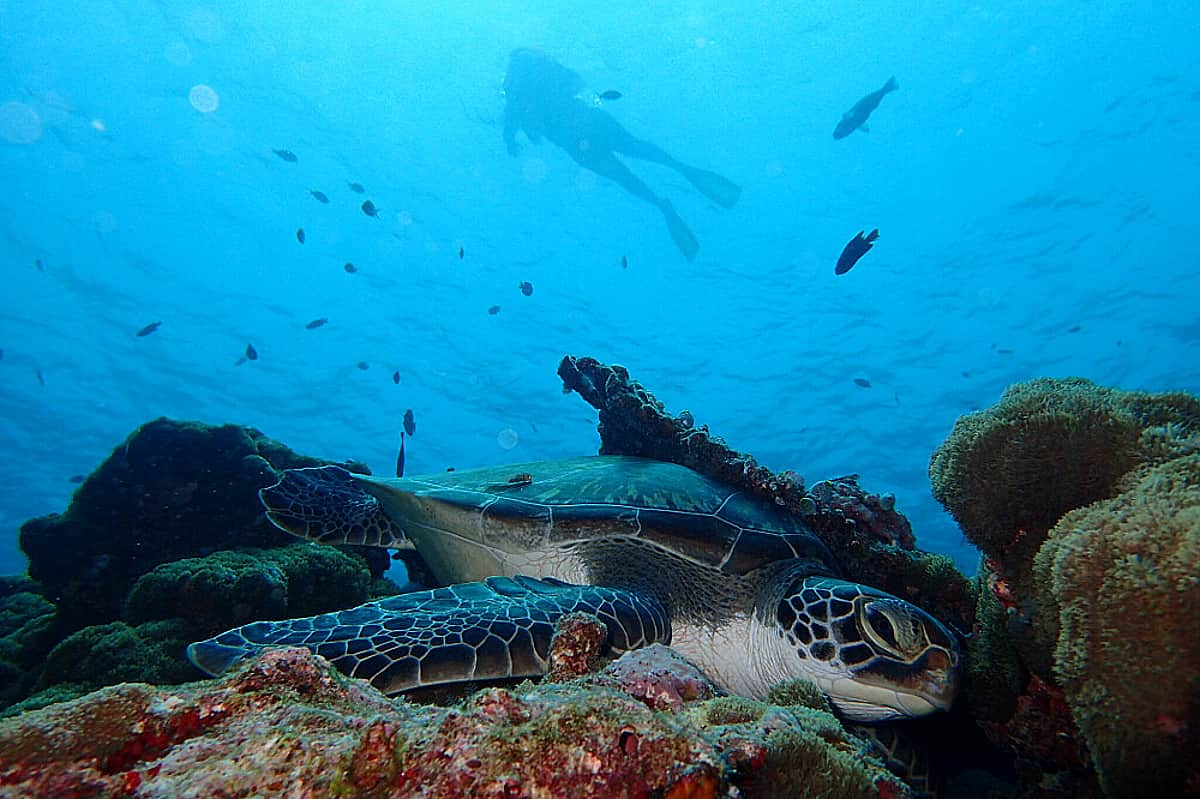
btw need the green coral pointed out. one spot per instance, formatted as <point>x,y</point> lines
<point>993,674</point>
<point>107,654</point>
<point>798,692</point>
<point>229,588</point>
<point>1121,579</point>
<point>1047,447</point>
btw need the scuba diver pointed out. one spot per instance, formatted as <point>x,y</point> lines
<point>542,98</point>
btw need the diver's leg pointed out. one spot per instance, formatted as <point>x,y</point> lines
<point>723,192</point>
<point>606,165</point>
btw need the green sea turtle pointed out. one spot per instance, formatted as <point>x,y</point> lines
<point>657,551</point>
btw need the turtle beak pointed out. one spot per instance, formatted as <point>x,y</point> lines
<point>937,686</point>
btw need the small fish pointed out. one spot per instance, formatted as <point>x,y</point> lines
<point>624,262</point>
<point>1074,328</point>
<point>37,263</point>
<point>369,208</point>
<point>862,382</point>
<point>300,235</point>
<point>611,94</point>
<point>526,288</point>
<point>350,268</point>
<point>251,353</point>
<point>320,196</point>
<point>856,117</point>
<point>41,378</point>
<point>516,481</point>
<point>400,458</point>
<point>1,353</point>
<point>75,478</point>
<point>314,324</point>
<point>396,377</point>
<point>966,374</point>
<point>1003,351</point>
<point>410,424</point>
<point>357,188</point>
<point>495,309</point>
<point>286,155</point>
<point>856,248</point>
<point>148,329</point>
<point>461,253</point>
<point>363,365</point>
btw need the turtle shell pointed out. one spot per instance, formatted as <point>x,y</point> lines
<point>528,506</point>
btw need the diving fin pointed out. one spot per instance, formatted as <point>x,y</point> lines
<point>680,233</point>
<point>723,192</point>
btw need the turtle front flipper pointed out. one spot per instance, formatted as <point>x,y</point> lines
<point>329,505</point>
<point>496,629</point>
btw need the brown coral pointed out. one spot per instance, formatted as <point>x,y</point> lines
<point>1120,578</point>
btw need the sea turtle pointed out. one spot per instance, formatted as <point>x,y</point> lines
<point>657,551</point>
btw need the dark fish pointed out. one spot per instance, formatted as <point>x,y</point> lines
<point>300,235</point>
<point>37,262</point>
<point>856,117</point>
<point>495,309</point>
<point>369,208</point>
<point>856,248</point>
<point>75,478</point>
<point>314,324</point>
<point>41,378</point>
<point>526,288</point>
<point>1,353</point>
<point>251,353</point>
<point>363,365</point>
<point>611,94</point>
<point>410,424</point>
<point>862,382</point>
<point>461,253</point>
<point>286,155</point>
<point>400,458</point>
<point>148,329</point>
<point>321,196</point>
<point>966,374</point>
<point>1003,351</point>
<point>350,268</point>
<point>624,262</point>
<point>396,377</point>
<point>357,188</point>
<point>1074,328</point>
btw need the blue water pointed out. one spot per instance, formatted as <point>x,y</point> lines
<point>1036,174</point>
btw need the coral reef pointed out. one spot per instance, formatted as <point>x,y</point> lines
<point>288,721</point>
<point>1120,578</point>
<point>172,490</point>
<point>141,563</point>
<point>1084,501</point>
<point>872,541</point>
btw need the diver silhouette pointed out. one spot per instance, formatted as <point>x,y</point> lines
<point>542,98</point>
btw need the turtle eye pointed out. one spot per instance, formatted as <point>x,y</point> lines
<point>881,628</point>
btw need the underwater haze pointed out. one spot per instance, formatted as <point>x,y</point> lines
<point>1034,179</point>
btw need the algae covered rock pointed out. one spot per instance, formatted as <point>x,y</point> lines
<point>172,490</point>
<point>286,721</point>
<point>1121,579</point>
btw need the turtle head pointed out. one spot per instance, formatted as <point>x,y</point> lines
<point>875,656</point>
